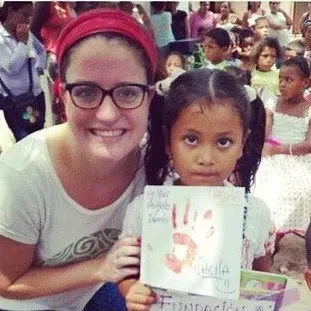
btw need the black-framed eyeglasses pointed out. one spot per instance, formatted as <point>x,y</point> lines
<point>89,95</point>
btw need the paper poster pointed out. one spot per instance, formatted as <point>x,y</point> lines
<point>168,301</point>
<point>192,239</point>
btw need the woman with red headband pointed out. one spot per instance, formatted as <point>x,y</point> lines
<point>65,189</point>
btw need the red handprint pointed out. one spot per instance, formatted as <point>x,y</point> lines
<point>184,237</point>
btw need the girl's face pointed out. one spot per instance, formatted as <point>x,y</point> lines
<point>247,44</point>
<point>292,82</point>
<point>107,132</point>
<point>206,143</point>
<point>172,62</point>
<point>224,8</point>
<point>262,28</point>
<point>213,52</point>
<point>267,59</point>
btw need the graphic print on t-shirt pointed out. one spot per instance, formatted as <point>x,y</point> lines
<point>87,247</point>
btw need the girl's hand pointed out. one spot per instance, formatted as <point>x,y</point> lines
<point>121,261</point>
<point>140,297</point>
<point>22,33</point>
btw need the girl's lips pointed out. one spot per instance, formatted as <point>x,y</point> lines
<point>108,133</point>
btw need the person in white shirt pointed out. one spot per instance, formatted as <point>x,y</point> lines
<point>65,189</point>
<point>22,56</point>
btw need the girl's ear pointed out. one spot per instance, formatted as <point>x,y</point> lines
<point>307,83</point>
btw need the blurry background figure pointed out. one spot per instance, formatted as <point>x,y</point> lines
<point>84,6</point>
<point>203,17</point>
<point>279,24</point>
<point>161,23</point>
<point>180,25</point>
<point>305,18</point>
<point>253,12</point>
<point>49,18</point>
<point>137,11</point>
<point>22,58</point>
<point>226,18</point>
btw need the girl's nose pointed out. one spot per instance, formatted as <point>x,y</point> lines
<point>206,157</point>
<point>108,111</point>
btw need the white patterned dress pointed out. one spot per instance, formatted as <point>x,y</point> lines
<point>284,181</point>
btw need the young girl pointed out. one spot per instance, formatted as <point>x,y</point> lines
<point>261,28</point>
<point>287,166</point>
<point>203,139</point>
<point>174,65</point>
<point>265,55</point>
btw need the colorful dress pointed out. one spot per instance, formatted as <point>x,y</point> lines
<point>284,181</point>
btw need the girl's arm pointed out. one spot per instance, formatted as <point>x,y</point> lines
<point>19,280</point>
<point>302,148</point>
<point>273,25</point>
<point>288,20</point>
<point>269,123</point>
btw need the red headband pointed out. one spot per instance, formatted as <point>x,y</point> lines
<point>106,20</point>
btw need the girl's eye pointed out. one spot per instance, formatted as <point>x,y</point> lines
<point>224,142</point>
<point>191,139</point>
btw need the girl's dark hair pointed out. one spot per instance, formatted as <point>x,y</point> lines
<point>109,36</point>
<point>220,36</point>
<point>242,76</point>
<point>301,63</point>
<point>266,42</point>
<point>246,33</point>
<point>308,244</point>
<point>14,5</point>
<point>207,87</point>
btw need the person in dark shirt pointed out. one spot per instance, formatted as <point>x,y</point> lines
<point>180,26</point>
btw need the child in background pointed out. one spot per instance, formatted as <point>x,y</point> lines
<point>204,139</point>
<point>307,39</point>
<point>261,28</point>
<point>265,55</point>
<point>216,47</point>
<point>246,44</point>
<point>198,59</point>
<point>286,167</point>
<point>174,65</point>
<point>294,48</point>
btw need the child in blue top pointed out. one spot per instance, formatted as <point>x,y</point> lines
<point>203,140</point>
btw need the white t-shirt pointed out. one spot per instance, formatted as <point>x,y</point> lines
<point>35,209</point>
<point>257,230</point>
